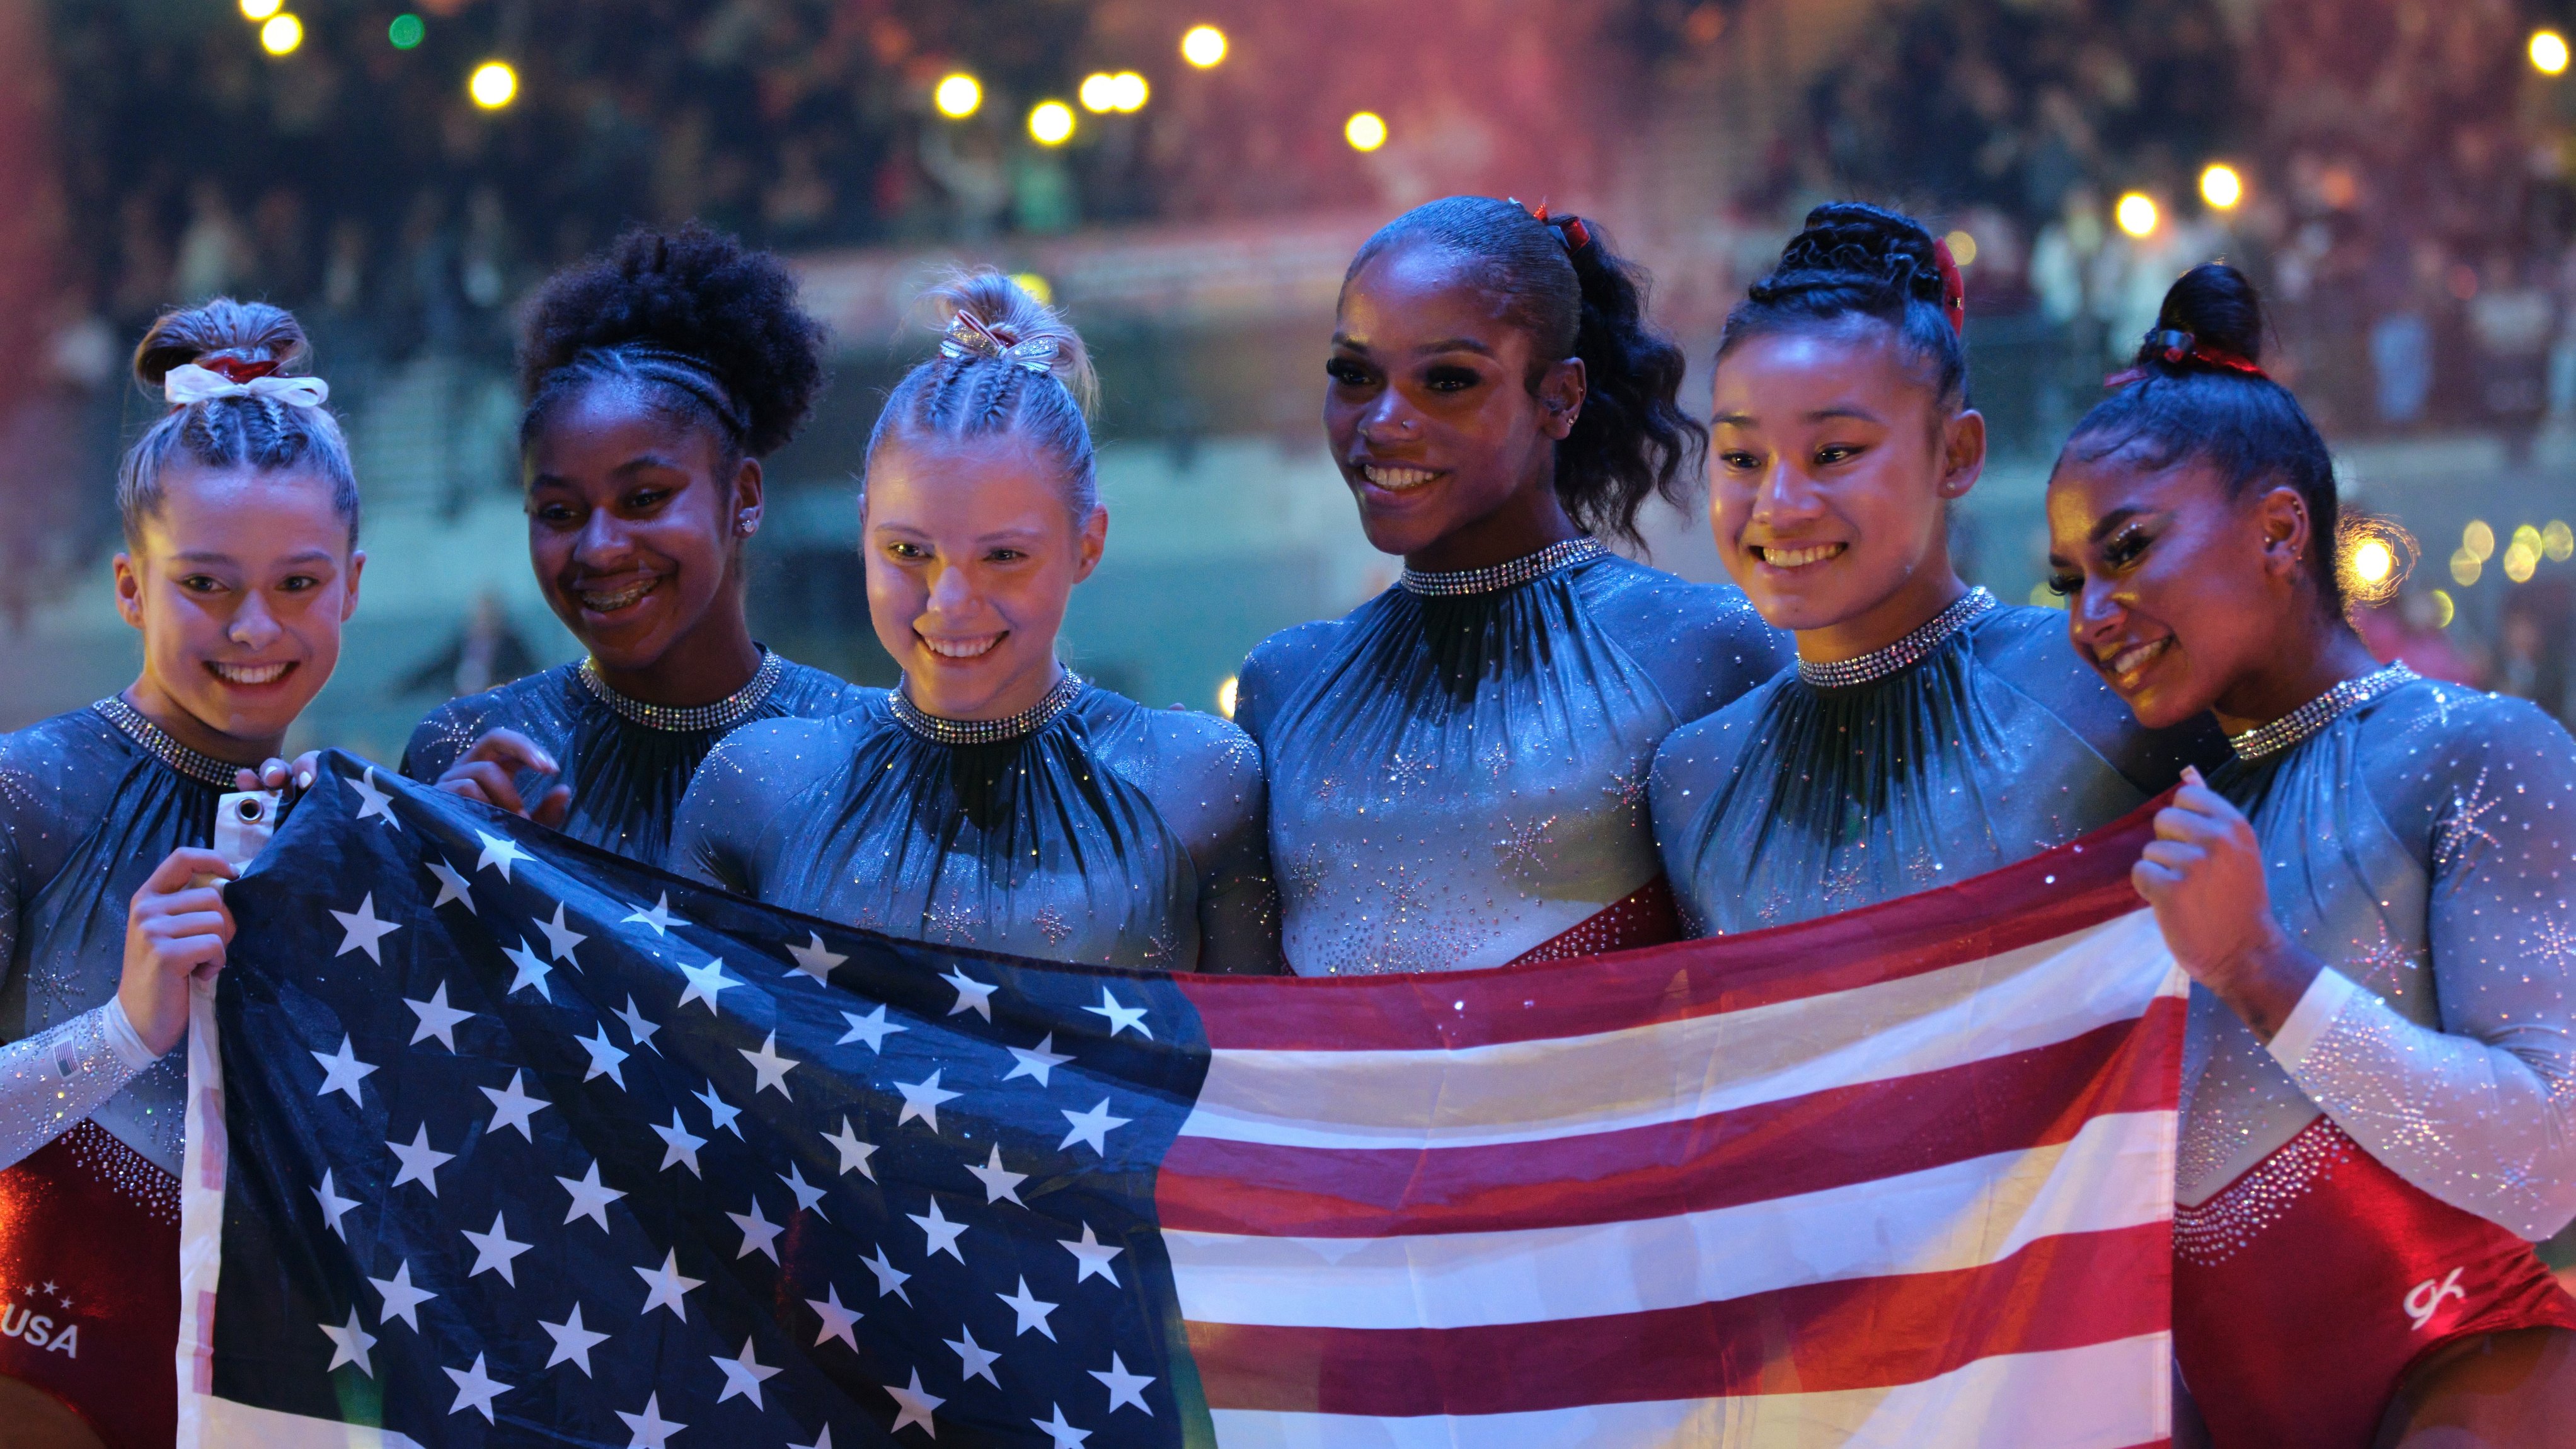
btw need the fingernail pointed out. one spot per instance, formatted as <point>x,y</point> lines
<point>304,781</point>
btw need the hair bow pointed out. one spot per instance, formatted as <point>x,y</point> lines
<point>967,336</point>
<point>192,382</point>
<point>1569,228</point>
<point>1954,287</point>
<point>2176,348</point>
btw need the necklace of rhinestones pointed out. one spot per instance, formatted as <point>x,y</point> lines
<point>1905,653</point>
<point>2316,714</point>
<point>1501,576</point>
<point>204,769</point>
<point>943,731</point>
<point>724,714</point>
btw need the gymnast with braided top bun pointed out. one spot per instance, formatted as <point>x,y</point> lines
<point>1929,732</point>
<point>657,378</point>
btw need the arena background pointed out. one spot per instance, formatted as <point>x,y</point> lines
<point>2395,172</point>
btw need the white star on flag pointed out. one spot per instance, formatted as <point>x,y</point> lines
<point>637,1028</point>
<point>420,1161</point>
<point>939,1235</point>
<point>975,1361</point>
<point>972,995</point>
<point>573,1342</point>
<point>872,1028</point>
<point>437,1018</point>
<point>999,1182</point>
<point>512,1107</point>
<point>476,1389</point>
<point>1031,1312</point>
<point>822,1440</point>
<point>1124,1387</point>
<point>769,1067</point>
<point>916,1406</point>
<point>664,1286</point>
<point>1093,1127</point>
<point>837,1320</point>
<point>401,1299</point>
<point>890,1279</point>
<point>361,930</point>
<point>679,1144</point>
<point>1091,1257</point>
<point>705,984</point>
<point>1065,1435</point>
<point>743,1376</point>
<point>493,1252</point>
<point>922,1099</point>
<point>451,886</point>
<point>533,970</point>
<point>659,918</point>
<point>759,1234</point>
<point>349,1345</point>
<point>650,1429</point>
<point>560,938</point>
<point>1120,1017</point>
<point>814,958</point>
<point>720,1113</point>
<point>498,852</point>
<point>854,1153</point>
<point>589,1199</point>
<point>334,1208</point>
<point>604,1058</point>
<point>1037,1061</point>
<point>809,1198</point>
<point>372,801</point>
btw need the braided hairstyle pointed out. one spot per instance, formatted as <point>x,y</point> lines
<point>967,392</point>
<point>230,432</point>
<point>1576,298</point>
<point>2196,393</point>
<point>1858,260</point>
<point>705,327</point>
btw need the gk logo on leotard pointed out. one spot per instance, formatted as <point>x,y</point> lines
<point>2425,1298</point>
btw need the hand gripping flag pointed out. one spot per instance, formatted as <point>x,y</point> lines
<point>498,1139</point>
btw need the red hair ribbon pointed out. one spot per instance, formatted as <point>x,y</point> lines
<point>2179,347</point>
<point>1954,288</point>
<point>1569,229</point>
<point>237,370</point>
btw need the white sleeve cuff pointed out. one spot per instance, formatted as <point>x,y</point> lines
<point>122,1038</point>
<point>2318,1007</point>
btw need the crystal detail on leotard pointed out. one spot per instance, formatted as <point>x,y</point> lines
<point>724,714</point>
<point>1498,577</point>
<point>2212,1232</point>
<point>2316,714</point>
<point>204,769</point>
<point>127,1173</point>
<point>1902,655</point>
<point>943,731</point>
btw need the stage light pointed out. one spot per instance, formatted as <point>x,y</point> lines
<point>2221,187</point>
<point>2444,611</point>
<point>1203,46</point>
<point>1227,691</point>
<point>1095,92</point>
<point>2372,561</point>
<point>957,96</point>
<point>1963,248</point>
<point>2477,540</point>
<point>2465,567</point>
<point>1036,286</point>
<point>1366,131</point>
<point>281,34</point>
<point>1051,123</point>
<point>493,84</point>
<point>2548,52</point>
<point>1127,92</point>
<point>2136,214</point>
<point>2519,562</point>
<point>256,11</point>
<point>2557,542</point>
<point>406,32</point>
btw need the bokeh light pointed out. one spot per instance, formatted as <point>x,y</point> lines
<point>2372,561</point>
<point>1051,123</point>
<point>256,11</point>
<point>2519,562</point>
<point>1366,131</point>
<point>2465,567</point>
<point>2221,187</point>
<point>1226,691</point>
<point>2444,611</point>
<point>1036,286</point>
<point>2477,540</point>
<point>2557,542</point>
<point>1963,248</point>
<point>2136,214</point>
<point>406,32</point>
<point>2548,52</point>
<point>281,34</point>
<point>2373,557</point>
<point>1127,92</point>
<point>1095,93</point>
<point>493,85</point>
<point>1203,46</point>
<point>957,96</point>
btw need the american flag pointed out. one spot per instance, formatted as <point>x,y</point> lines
<point>496,1138</point>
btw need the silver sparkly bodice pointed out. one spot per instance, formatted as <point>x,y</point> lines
<point>1111,833</point>
<point>2423,845</point>
<point>1992,744</point>
<point>86,813</point>
<point>628,762</point>
<point>1458,778</point>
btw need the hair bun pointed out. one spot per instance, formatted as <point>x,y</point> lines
<point>220,327</point>
<point>2219,307</point>
<point>1853,241</point>
<point>1005,310</point>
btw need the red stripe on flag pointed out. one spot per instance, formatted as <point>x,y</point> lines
<point>2075,886</point>
<point>2061,1292</point>
<point>1827,1139</point>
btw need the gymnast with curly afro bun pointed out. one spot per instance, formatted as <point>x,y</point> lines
<point>657,377</point>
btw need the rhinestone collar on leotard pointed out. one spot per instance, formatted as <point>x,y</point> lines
<point>1501,576</point>
<point>2316,714</point>
<point>724,714</point>
<point>942,731</point>
<point>1902,655</point>
<point>204,769</point>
